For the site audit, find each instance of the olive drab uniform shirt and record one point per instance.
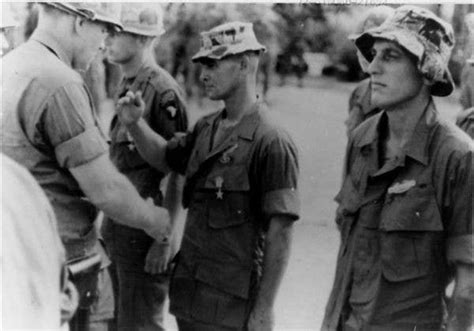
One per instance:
(233, 188)
(48, 126)
(165, 113)
(403, 226)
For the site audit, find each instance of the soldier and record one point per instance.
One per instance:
(48, 126)
(141, 262)
(405, 206)
(241, 190)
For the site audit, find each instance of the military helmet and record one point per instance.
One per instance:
(144, 19)
(227, 39)
(105, 12)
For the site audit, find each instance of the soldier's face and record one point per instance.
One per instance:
(120, 47)
(394, 76)
(220, 77)
(92, 34)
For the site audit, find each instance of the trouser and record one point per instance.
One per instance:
(141, 299)
(140, 296)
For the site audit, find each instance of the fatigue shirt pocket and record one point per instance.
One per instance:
(231, 232)
(411, 230)
(366, 249)
(234, 206)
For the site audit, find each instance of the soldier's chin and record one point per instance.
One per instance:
(377, 102)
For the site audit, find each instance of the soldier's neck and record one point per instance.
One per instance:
(402, 120)
(240, 103)
(130, 69)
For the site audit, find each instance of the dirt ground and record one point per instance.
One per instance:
(314, 115)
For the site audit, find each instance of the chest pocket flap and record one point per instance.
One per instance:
(414, 210)
(232, 207)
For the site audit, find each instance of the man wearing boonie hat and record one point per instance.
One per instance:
(241, 191)
(141, 262)
(49, 126)
(405, 206)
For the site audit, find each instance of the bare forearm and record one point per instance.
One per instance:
(122, 203)
(277, 252)
(111, 192)
(151, 146)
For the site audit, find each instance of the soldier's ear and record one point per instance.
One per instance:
(79, 23)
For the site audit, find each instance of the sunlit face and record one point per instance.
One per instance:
(394, 75)
(121, 47)
(220, 77)
(92, 38)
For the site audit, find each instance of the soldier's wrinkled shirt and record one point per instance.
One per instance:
(233, 188)
(403, 226)
(48, 126)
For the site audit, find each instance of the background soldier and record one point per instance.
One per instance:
(49, 127)
(405, 206)
(141, 262)
(241, 173)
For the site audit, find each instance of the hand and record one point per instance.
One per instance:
(261, 319)
(158, 258)
(130, 108)
(69, 301)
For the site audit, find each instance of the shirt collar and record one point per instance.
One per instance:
(417, 145)
(248, 124)
(372, 132)
(48, 40)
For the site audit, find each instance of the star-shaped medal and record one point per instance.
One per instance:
(219, 182)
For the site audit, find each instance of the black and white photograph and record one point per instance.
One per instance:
(237, 166)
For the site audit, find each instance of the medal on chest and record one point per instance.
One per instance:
(219, 181)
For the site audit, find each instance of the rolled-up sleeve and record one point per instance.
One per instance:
(71, 127)
(278, 172)
(460, 242)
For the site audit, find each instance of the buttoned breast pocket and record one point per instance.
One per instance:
(231, 204)
(412, 230)
(229, 214)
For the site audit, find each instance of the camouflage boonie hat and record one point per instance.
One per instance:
(227, 39)
(423, 34)
(105, 12)
(144, 19)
